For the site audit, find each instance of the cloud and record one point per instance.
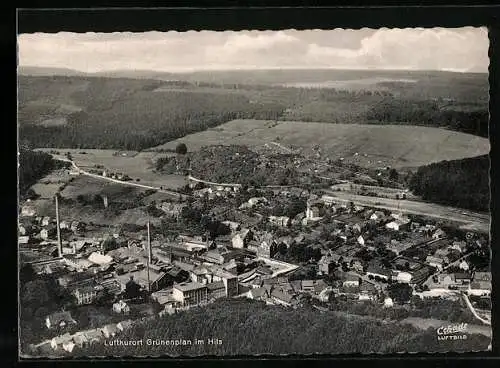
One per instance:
(437, 49)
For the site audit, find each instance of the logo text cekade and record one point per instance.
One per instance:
(452, 332)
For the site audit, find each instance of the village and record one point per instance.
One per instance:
(288, 247)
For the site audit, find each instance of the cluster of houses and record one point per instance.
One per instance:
(473, 283)
(193, 271)
(67, 342)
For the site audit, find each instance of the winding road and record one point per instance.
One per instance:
(129, 183)
(474, 312)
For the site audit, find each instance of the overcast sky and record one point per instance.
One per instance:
(461, 49)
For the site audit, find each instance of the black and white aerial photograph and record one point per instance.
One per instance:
(249, 193)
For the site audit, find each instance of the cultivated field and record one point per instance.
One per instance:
(134, 164)
(363, 144)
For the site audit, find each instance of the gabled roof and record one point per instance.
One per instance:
(62, 338)
(100, 258)
(379, 270)
(434, 259)
(58, 317)
(258, 292)
(285, 297)
(187, 286)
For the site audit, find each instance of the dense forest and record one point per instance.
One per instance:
(98, 112)
(461, 183)
(249, 327)
(33, 165)
(242, 166)
(430, 113)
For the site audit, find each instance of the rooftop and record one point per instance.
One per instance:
(188, 286)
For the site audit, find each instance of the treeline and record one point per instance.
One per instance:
(249, 327)
(461, 183)
(429, 113)
(33, 165)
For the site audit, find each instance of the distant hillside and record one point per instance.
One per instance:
(117, 113)
(47, 71)
(148, 109)
(248, 328)
(462, 183)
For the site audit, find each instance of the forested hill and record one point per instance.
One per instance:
(460, 183)
(134, 114)
(32, 166)
(249, 327)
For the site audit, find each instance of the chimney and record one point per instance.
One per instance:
(105, 200)
(149, 257)
(59, 241)
(150, 250)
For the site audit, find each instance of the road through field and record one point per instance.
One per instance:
(477, 221)
(129, 183)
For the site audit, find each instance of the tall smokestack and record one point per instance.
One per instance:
(149, 256)
(150, 250)
(59, 241)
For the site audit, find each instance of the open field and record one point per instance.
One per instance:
(88, 187)
(134, 164)
(362, 144)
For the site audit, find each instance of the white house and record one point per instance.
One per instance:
(459, 245)
(377, 216)
(240, 239)
(28, 211)
(464, 265)
(312, 213)
(110, 330)
(45, 221)
(59, 319)
(68, 345)
(100, 259)
(328, 200)
(24, 239)
(121, 307)
(404, 277)
(280, 220)
(434, 262)
(438, 234)
(59, 341)
(398, 225)
(351, 281)
(365, 297)
(388, 303)
(360, 240)
(124, 325)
